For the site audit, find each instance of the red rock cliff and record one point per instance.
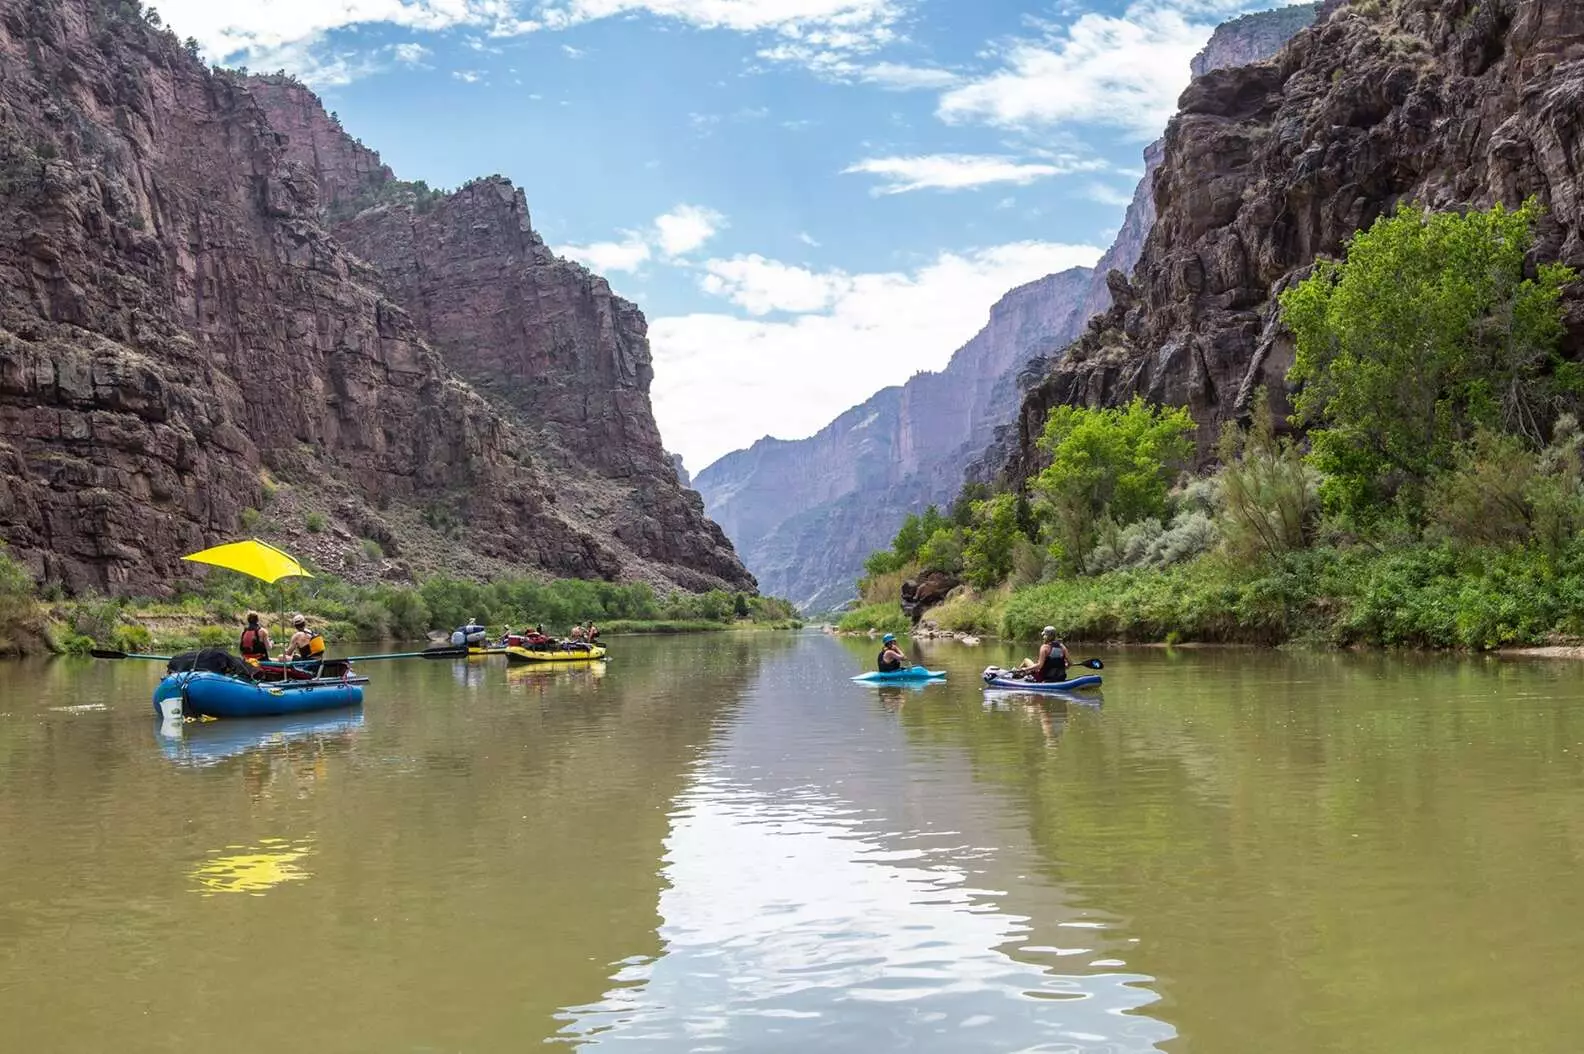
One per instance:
(177, 325)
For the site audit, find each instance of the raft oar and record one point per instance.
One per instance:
(432, 653)
(1093, 664)
(105, 653)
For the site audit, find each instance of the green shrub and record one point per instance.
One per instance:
(372, 550)
(213, 637)
(885, 618)
(315, 522)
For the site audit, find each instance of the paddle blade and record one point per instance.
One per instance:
(1093, 664)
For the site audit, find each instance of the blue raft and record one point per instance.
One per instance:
(994, 679)
(199, 693)
(912, 673)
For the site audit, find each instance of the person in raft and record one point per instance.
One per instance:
(1051, 666)
(593, 632)
(304, 645)
(579, 634)
(891, 658)
(255, 645)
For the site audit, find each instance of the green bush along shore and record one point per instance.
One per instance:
(1435, 499)
(345, 613)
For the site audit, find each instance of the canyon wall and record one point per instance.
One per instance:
(1266, 167)
(212, 324)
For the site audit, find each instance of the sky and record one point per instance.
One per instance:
(811, 200)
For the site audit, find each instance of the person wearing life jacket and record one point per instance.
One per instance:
(255, 645)
(891, 658)
(1051, 666)
(304, 645)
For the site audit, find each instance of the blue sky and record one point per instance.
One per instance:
(810, 199)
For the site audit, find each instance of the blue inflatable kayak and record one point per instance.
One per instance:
(912, 673)
(996, 680)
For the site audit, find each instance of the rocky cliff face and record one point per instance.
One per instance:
(806, 513)
(184, 339)
(1467, 102)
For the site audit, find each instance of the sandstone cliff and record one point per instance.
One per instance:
(1466, 102)
(189, 353)
(806, 513)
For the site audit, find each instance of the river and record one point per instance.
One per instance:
(719, 843)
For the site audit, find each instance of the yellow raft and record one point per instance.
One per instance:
(524, 656)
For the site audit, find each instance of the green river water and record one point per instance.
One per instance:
(719, 843)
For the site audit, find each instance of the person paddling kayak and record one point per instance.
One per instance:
(1051, 666)
(891, 658)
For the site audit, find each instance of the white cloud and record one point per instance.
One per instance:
(671, 236)
(1125, 72)
(1106, 194)
(723, 381)
(629, 254)
(907, 78)
(760, 286)
(410, 54)
(572, 52)
(467, 76)
(686, 228)
(960, 171)
(250, 33)
(808, 239)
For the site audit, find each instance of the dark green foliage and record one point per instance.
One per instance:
(1426, 332)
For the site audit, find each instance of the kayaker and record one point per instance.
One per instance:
(1051, 666)
(255, 646)
(304, 645)
(891, 658)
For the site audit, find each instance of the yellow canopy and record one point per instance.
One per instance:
(252, 557)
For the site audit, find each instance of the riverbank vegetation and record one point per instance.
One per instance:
(212, 615)
(1435, 500)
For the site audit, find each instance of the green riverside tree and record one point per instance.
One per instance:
(1428, 330)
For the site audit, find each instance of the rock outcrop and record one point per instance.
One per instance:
(1453, 104)
(184, 331)
(805, 513)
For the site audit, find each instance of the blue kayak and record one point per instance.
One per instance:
(1017, 685)
(199, 693)
(912, 673)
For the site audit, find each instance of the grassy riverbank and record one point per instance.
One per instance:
(347, 613)
(1419, 596)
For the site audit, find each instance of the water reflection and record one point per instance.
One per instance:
(822, 894)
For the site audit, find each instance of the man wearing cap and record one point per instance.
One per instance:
(1051, 666)
(891, 657)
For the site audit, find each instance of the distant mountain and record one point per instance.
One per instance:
(804, 514)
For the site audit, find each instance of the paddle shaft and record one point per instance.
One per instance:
(105, 653)
(433, 653)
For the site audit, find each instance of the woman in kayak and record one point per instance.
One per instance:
(891, 658)
(1051, 666)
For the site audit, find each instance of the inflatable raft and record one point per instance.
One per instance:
(526, 656)
(200, 693)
